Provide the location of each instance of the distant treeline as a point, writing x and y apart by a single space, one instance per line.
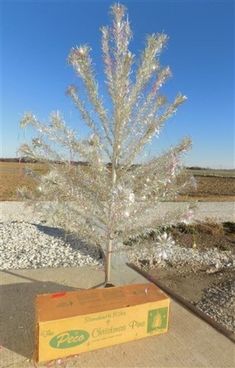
30 161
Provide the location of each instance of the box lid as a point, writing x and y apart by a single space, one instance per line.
74 303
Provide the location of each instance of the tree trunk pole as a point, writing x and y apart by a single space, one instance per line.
108 262
110 236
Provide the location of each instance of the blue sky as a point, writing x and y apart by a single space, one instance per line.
36 37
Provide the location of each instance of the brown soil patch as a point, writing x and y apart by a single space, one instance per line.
12 177
207 291
212 188
189 285
212 185
205 235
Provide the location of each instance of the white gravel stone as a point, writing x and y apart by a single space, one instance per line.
26 242
169 254
33 245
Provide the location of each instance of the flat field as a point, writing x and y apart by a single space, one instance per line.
212 185
13 176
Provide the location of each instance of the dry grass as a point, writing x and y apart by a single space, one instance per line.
12 177
212 188
212 185
205 235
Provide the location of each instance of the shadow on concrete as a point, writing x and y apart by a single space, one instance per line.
17 313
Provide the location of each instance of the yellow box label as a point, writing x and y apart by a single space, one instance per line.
78 334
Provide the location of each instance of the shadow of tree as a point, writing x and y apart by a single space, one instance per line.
72 240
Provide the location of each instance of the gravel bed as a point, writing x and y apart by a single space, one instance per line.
182 258
218 302
34 245
182 267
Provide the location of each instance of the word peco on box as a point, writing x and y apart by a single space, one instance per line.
74 322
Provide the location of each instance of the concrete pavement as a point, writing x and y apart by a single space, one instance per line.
218 211
190 342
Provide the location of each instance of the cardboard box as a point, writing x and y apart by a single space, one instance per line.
73 322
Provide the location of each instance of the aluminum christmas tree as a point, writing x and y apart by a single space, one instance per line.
110 196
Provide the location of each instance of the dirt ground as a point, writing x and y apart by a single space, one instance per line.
205 235
212 185
212 293
188 284
13 176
